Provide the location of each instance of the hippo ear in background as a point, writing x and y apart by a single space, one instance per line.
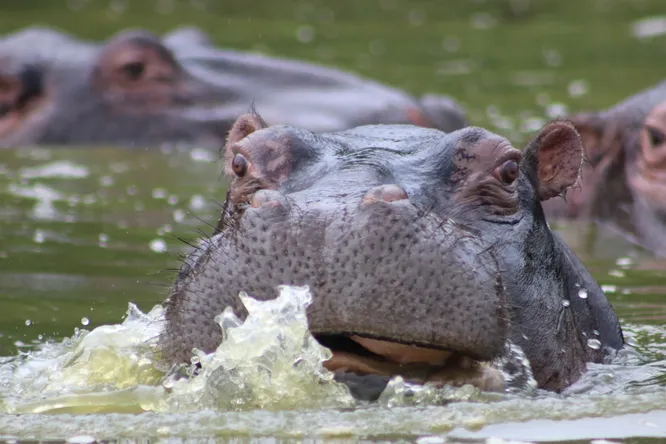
242 127
554 158
591 127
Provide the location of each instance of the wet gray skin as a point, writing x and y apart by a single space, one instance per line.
137 89
425 252
623 183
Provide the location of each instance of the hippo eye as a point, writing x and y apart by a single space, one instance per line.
656 136
239 165
509 172
134 70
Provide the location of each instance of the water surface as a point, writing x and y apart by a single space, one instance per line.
84 232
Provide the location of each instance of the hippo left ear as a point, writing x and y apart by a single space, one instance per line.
554 158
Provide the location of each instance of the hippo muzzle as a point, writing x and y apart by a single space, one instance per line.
395 290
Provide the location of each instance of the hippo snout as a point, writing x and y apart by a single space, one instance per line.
379 269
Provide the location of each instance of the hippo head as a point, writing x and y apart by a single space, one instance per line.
137 89
129 91
623 182
425 252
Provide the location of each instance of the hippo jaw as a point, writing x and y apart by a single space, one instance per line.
386 358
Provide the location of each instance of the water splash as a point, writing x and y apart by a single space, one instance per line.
270 361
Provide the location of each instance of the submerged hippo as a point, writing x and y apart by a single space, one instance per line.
138 89
425 251
623 184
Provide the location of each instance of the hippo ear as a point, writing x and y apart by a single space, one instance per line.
591 127
554 158
244 126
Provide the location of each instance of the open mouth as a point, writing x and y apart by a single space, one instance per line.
367 356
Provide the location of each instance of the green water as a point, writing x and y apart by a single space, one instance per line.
75 250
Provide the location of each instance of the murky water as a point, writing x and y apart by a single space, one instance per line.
84 233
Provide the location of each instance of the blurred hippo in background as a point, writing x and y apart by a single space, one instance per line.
623 183
137 89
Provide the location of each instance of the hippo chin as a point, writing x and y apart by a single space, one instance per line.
425 252
623 184
138 89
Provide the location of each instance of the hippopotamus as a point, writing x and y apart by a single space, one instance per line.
138 89
622 184
426 252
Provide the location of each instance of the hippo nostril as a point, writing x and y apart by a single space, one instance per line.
268 198
384 193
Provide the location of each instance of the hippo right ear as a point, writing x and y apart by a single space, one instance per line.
242 127
553 160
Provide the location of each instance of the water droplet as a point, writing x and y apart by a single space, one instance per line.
159 193
566 303
305 34
555 110
106 181
202 155
483 20
173 199
594 344
28 322
178 215
416 17
452 44
131 190
89 199
39 236
616 273
582 293
577 88
117 6
85 321
624 262
103 239
197 202
119 167
609 288
552 57
158 245
532 124
377 48
596 332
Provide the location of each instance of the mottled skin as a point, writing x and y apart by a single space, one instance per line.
623 183
137 89
405 235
